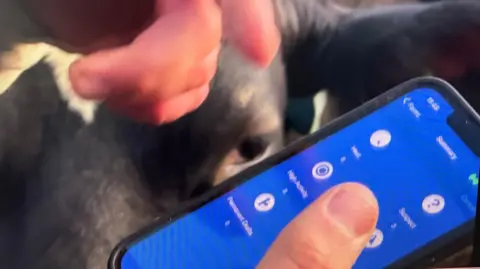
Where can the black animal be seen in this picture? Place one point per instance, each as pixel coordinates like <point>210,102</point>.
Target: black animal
<point>372,50</point>
<point>70,190</point>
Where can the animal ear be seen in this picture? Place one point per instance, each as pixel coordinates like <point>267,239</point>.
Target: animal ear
<point>376,49</point>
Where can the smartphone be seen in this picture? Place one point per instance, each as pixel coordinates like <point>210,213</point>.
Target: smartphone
<point>416,147</point>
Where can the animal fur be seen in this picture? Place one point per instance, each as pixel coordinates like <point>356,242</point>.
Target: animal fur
<point>76,178</point>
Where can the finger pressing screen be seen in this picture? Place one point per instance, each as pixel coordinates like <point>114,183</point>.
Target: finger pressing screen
<point>330,233</point>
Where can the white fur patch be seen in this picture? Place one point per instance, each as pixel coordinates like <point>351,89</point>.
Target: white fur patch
<point>244,96</point>
<point>15,62</point>
<point>319,104</point>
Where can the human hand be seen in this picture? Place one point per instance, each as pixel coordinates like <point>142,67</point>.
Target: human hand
<point>330,233</point>
<point>165,71</point>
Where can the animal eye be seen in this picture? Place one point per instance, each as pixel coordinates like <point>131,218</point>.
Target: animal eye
<point>251,148</point>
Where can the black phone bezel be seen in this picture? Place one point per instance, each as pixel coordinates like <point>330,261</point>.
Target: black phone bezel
<point>436,250</point>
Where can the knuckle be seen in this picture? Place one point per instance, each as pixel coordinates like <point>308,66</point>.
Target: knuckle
<point>199,97</point>
<point>200,76</point>
<point>151,87</point>
<point>211,69</point>
<point>146,83</point>
<point>208,22</point>
<point>159,114</point>
<point>203,77</point>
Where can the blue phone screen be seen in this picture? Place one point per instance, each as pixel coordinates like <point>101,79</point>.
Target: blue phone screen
<point>421,172</point>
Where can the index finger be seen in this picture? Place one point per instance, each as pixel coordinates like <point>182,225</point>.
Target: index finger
<point>159,62</point>
<point>250,25</point>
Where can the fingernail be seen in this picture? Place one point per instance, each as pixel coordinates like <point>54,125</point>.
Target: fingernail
<point>354,208</point>
<point>85,83</point>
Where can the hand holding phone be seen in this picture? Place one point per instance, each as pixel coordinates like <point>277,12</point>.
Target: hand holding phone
<point>416,147</point>
<point>330,233</point>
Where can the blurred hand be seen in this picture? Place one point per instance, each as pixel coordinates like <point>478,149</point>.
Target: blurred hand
<point>330,233</point>
<point>153,59</point>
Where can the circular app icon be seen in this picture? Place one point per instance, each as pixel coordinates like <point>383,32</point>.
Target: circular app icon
<point>376,239</point>
<point>380,138</point>
<point>322,170</point>
<point>433,204</point>
<point>264,202</point>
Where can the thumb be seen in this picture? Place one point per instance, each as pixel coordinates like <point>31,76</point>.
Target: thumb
<point>330,233</point>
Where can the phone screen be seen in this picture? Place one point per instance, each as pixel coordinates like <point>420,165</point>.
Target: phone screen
<point>423,175</point>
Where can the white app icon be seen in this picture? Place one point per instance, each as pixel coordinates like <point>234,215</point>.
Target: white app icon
<point>264,202</point>
<point>433,204</point>
<point>380,138</point>
<point>376,239</point>
<point>322,170</point>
